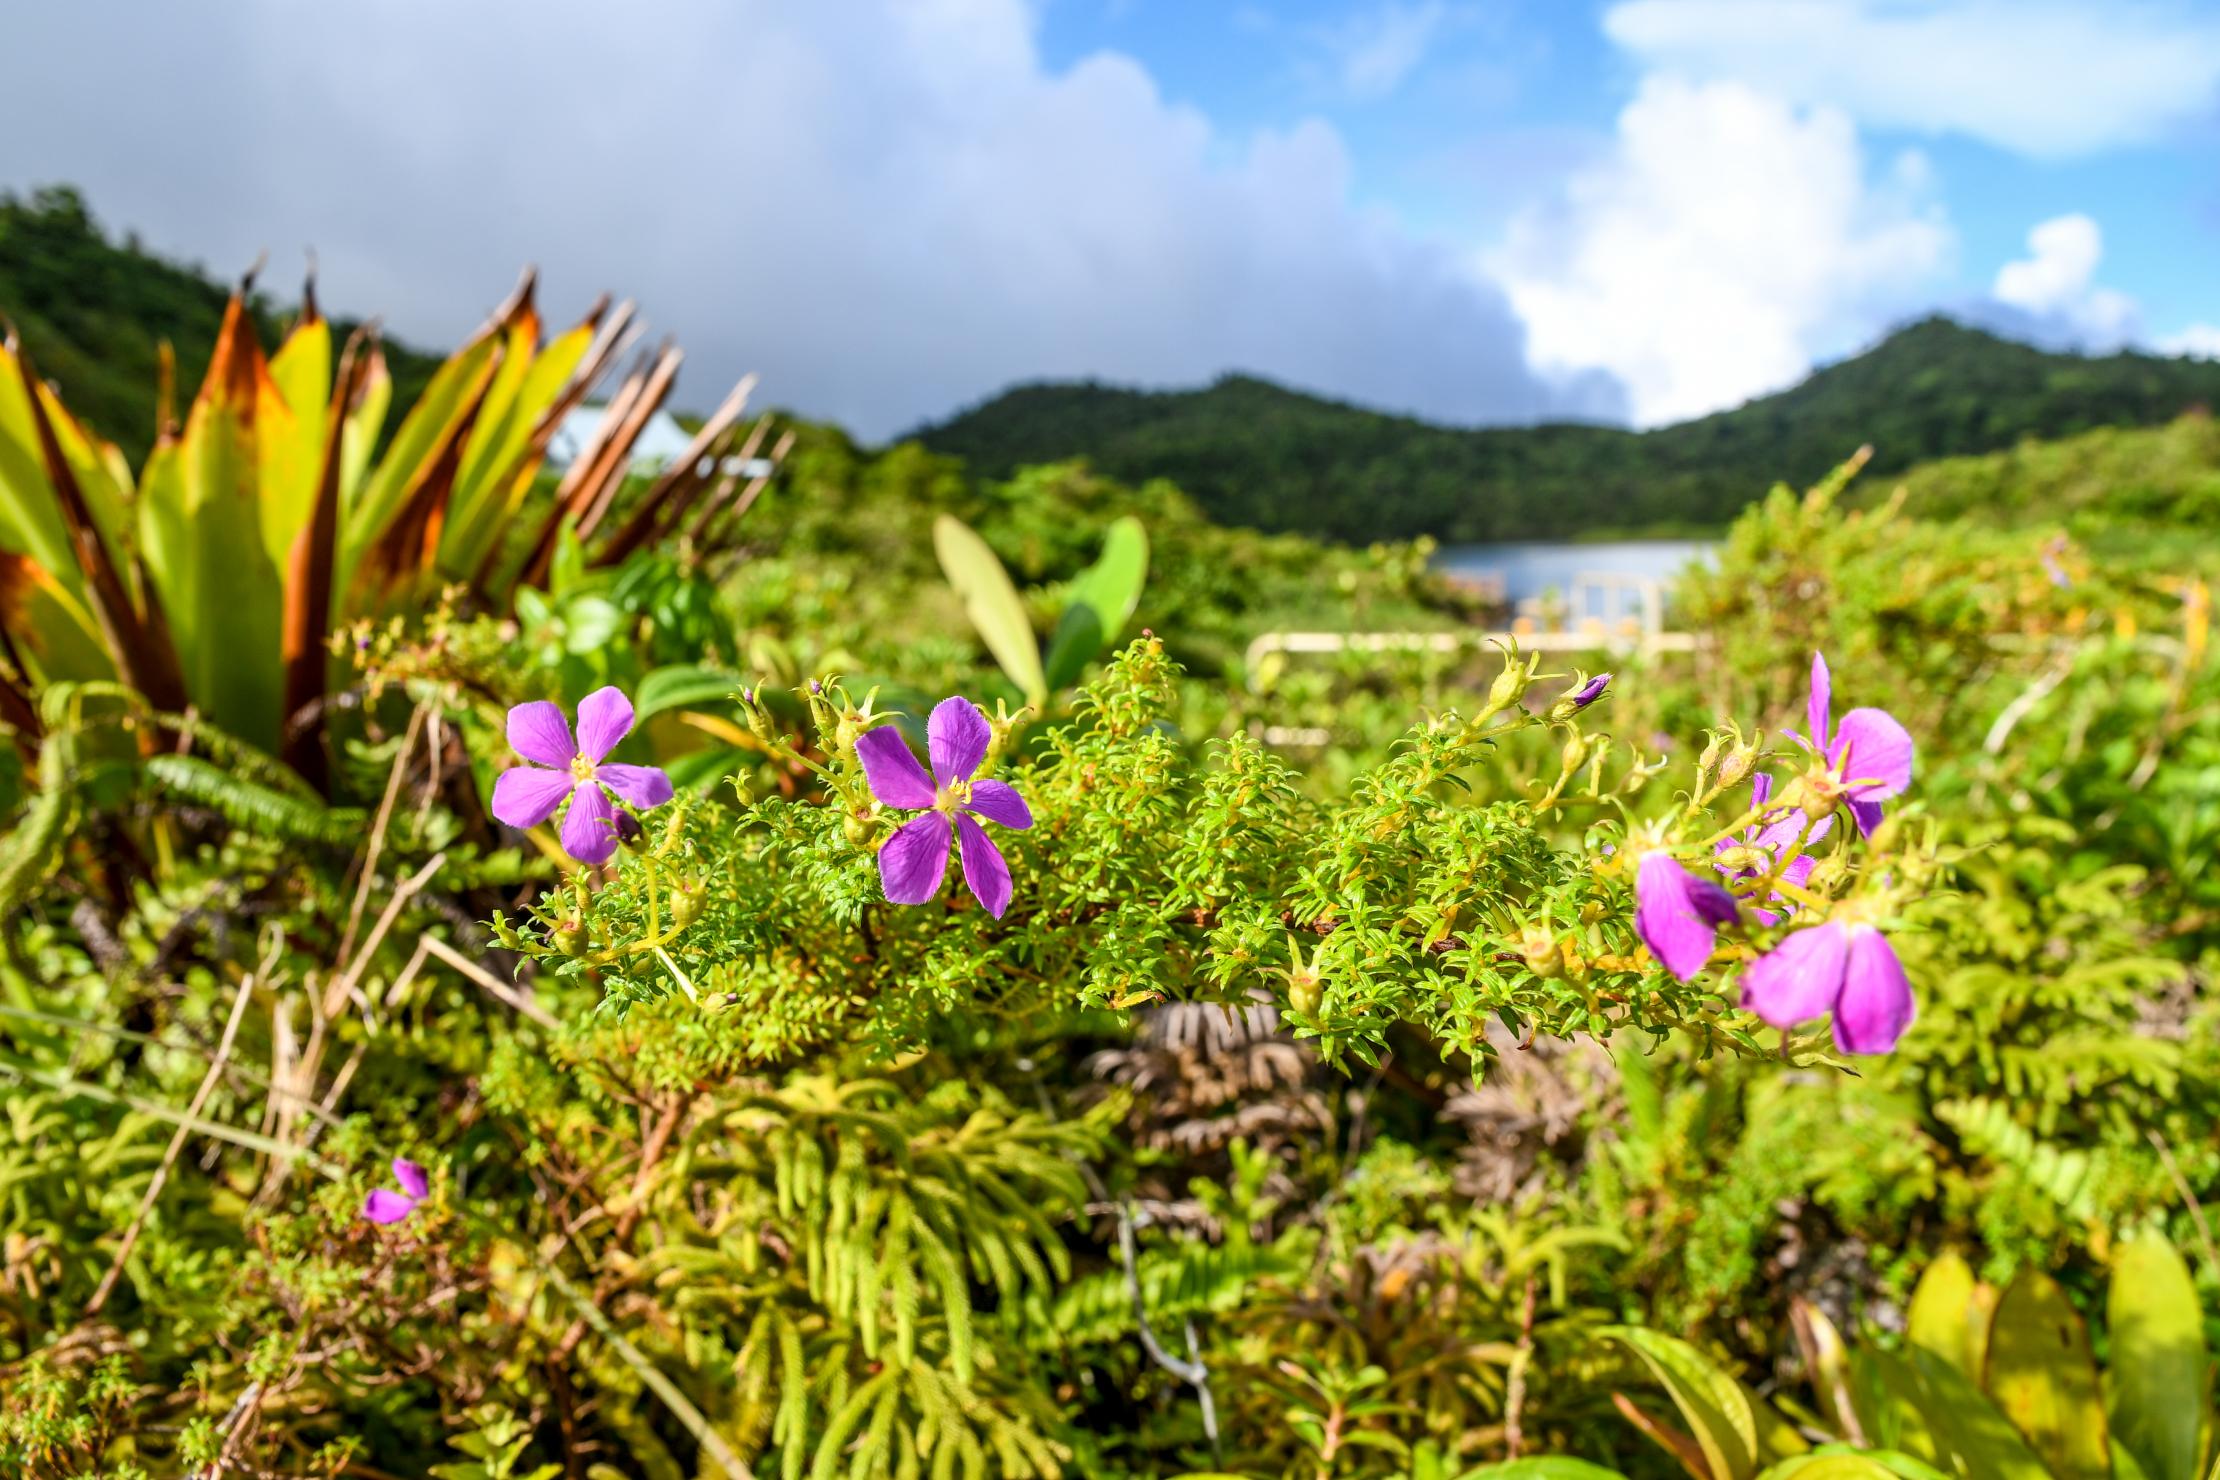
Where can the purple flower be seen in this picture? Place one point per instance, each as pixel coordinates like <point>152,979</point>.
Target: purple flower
<point>1773,838</point>
<point>387,1206</point>
<point>526,796</point>
<point>1589,692</point>
<point>1677,913</point>
<point>1868,760</point>
<point>2057,572</point>
<point>1849,970</point>
<point>913,861</point>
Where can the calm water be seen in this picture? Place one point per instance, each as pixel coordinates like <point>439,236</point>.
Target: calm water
<point>1530,569</point>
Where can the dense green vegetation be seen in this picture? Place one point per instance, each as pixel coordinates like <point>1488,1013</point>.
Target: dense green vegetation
<point>1312,1101</point>
<point>2123,487</point>
<point>1258,454</point>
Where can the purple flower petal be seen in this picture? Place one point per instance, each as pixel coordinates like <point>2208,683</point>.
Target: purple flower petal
<point>895,776</point>
<point>998,801</point>
<point>1761,789</point>
<point>1876,751</point>
<point>537,732</point>
<point>590,826</point>
<point>412,1178</point>
<point>604,718</point>
<point>1799,979</point>
<point>1589,692</point>
<point>1867,815</point>
<point>959,738</point>
<point>642,786</point>
<point>1677,913</point>
<point>984,867</point>
<point>526,796</point>
<point>387,1206</point>
<point>913,861</point>
<point>1876,1003</point>
<point>1820,706</point>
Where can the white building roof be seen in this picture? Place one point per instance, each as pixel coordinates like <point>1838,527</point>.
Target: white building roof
<point>661,442</point>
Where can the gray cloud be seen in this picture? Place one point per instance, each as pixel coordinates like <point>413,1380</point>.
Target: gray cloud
<point>887,208</point>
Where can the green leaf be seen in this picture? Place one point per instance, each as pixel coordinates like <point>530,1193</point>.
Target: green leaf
<point>1547,1467</point>
<point>992,604</point>
<point>1735,1431</point>
<point>2158,1358</point>
<point>1839,1466</point>
<point>2040,1373</point>
<point>1943,1318</point>
<point>681,686</point>
<point>1103,600</point>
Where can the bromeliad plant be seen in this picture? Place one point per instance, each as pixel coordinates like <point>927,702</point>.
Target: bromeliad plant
<point>1137,872</point>
<point>213,577</point>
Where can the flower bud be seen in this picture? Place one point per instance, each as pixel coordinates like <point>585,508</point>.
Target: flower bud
<point>570,937</point>
<point>1583,693</point>
<point>856,828</point>
<point>1543,955</point>
<point>1305,994</point>
<point>688,900</point>
<point>1740,761</point>
<point>505,933</point>
<point>1511,684</point>
<point>1575,753</point>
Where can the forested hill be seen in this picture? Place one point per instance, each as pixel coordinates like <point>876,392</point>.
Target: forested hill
<point>1256,453</point>
<point>92,312</point>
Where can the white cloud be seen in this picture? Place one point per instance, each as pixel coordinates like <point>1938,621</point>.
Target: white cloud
<point>1726,239</point>
<point>2198,341</point>
<point>1374,52</point>
<point>2043,77</point>
<point>2055,283</point>
<point>888,208</point>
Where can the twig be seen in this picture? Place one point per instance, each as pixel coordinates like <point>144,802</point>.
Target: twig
<point>251,1399</point>
<point>1194,1373</point>
<point>177,1144</point>
<point>377,835</point>
<point>500,990</point>
<point>688,1416</point>
<point>651,1151</point>
<point>215,1130</point>
<point>2196,1209</point>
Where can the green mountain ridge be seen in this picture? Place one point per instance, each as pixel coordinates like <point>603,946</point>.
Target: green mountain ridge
<point>1256,453</point>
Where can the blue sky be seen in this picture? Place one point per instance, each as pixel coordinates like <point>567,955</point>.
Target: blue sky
<point>1479,211</point>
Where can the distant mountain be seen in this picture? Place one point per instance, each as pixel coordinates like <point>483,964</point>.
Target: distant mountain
<point>1259,454</point>
<point>92,313</point>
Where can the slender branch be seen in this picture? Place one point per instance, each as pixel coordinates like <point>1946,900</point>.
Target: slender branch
<point>1192,1372</point>
<point>177,1144</point>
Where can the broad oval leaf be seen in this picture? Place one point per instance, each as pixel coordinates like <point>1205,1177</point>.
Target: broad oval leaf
<point>2158,1358</point>
<point>1542,1467</point>
<point>992,604</point>
<point>2042,1377</point>
<point>1942,1316</point>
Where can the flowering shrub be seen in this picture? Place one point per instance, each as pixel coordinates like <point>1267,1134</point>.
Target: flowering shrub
<point>1139,874</point>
